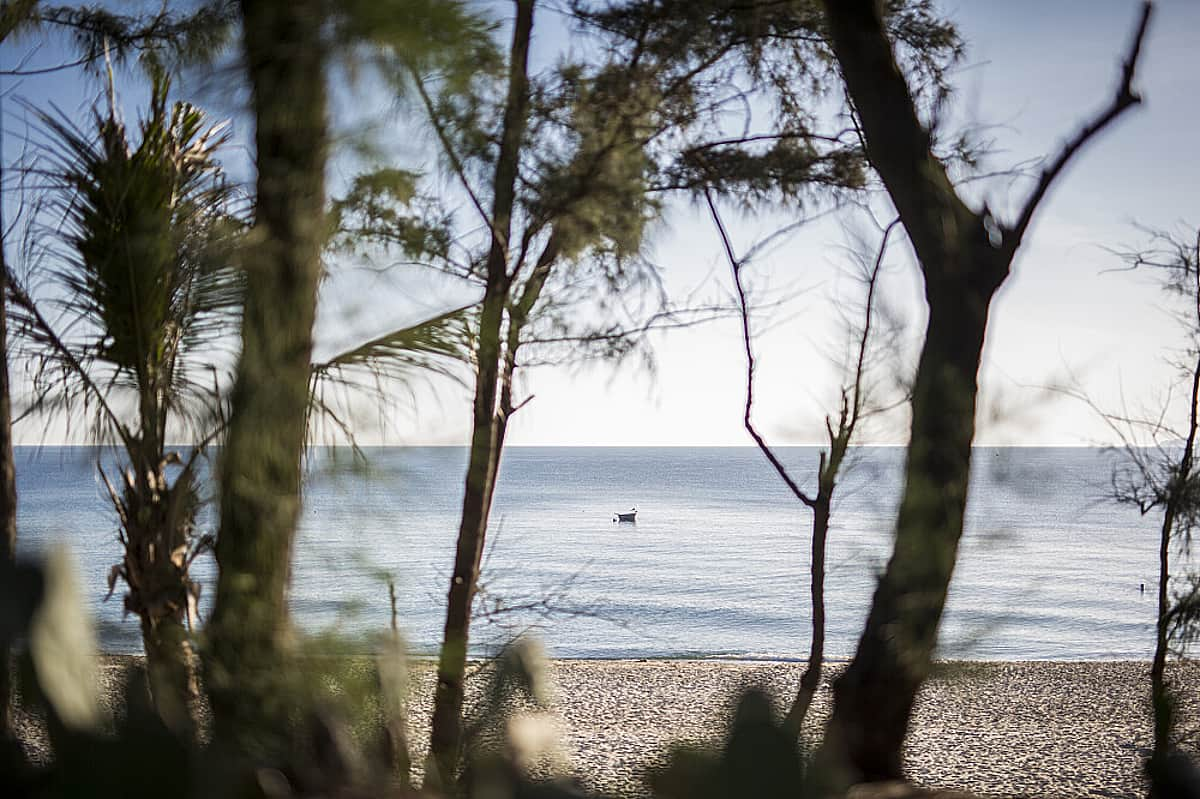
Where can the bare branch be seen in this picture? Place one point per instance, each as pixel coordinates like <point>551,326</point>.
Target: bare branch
<point>863,341</point>
<point>1124,99</point>
<point>743,304</point>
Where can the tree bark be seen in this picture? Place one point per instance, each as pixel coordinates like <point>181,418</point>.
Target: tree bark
<point>488,429</point>
<point>157,521</point>
<point>261,463</point>
<point>874,697</point>
<point>827,475</point>
<point>171,670</point>
<point>1159,697</point>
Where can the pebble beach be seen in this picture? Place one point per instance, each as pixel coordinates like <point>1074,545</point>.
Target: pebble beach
<point>1023,729</point>
<point>1003,729</point>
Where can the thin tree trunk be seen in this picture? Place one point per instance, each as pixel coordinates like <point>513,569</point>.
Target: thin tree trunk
<point>1161,700</point>
<point>810,680</point>
<point>487,435</point>
<point>8,472</point>
<point>8,485</point>
<point>446,725</point>
<point>261,462</point>
<point>827,475</point>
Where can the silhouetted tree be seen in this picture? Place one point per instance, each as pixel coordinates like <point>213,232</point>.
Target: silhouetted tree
<point>1157,473</point>
<point>965,255</point>
<point>10,20</point>
<point>853,407</point>
<point>577,157</point>
<point>489,419</point>
<point>774,56</point>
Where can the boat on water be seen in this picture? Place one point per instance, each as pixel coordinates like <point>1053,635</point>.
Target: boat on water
<point>630,516</point>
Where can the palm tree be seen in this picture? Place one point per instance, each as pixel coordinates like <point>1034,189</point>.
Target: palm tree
<point>142,264</point>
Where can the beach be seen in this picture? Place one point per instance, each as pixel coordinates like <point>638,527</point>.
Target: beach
<point>1011,729</point>
<point>996,729</point>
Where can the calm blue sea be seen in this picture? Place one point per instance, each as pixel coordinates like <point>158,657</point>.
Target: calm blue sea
<point>716,565</point>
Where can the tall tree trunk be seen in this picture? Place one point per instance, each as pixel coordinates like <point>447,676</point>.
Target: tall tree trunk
<point>873,699</point>
<point>156,542</point>
<point>1159,696</point>
<point>261,463</point>
<point>8,471</point>
<point>156,571</point>
<point>8,484</point>
<point>964,256</point>
<point>487,436</point>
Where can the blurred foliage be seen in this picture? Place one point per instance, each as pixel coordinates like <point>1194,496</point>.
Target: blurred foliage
<point>162,37</point>
<point>759,758</point>
<point>346,711</point>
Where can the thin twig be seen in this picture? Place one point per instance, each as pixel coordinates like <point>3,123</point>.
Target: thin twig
<point>743,304</point>
<point>448,147</point>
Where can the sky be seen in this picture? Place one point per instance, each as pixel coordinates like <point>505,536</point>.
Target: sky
<point>1067,317</point>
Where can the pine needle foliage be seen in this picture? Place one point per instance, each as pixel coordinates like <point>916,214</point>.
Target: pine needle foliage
<point>165,36</point>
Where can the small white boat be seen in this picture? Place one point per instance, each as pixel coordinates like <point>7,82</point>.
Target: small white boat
<point>631,516</point>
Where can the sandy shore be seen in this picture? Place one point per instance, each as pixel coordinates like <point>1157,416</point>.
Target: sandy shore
<point>998,729</point>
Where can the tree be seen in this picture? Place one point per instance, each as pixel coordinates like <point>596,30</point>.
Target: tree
<point>1158,474</point>
<point>853,408</point>
<point>964,255</point>
<point>246,660</point>
<point>10,19</point>
<point>96,32</point>
<point>163,37</point>
<point>489,419</point>
<point>146,285</point>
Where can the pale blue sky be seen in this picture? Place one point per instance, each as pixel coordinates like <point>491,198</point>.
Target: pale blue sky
<point>1034,71</point>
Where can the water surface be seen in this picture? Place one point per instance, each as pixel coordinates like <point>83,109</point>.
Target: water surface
<point>716,565</point>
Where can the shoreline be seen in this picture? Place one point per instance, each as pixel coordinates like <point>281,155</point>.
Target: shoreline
<point>722,659</point>
<point>995,728</point>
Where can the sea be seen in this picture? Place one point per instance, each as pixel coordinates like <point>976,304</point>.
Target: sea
<point>715,566</point>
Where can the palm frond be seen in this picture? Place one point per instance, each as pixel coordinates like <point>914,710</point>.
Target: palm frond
<point>145,242</point>
<point>432,345</point>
